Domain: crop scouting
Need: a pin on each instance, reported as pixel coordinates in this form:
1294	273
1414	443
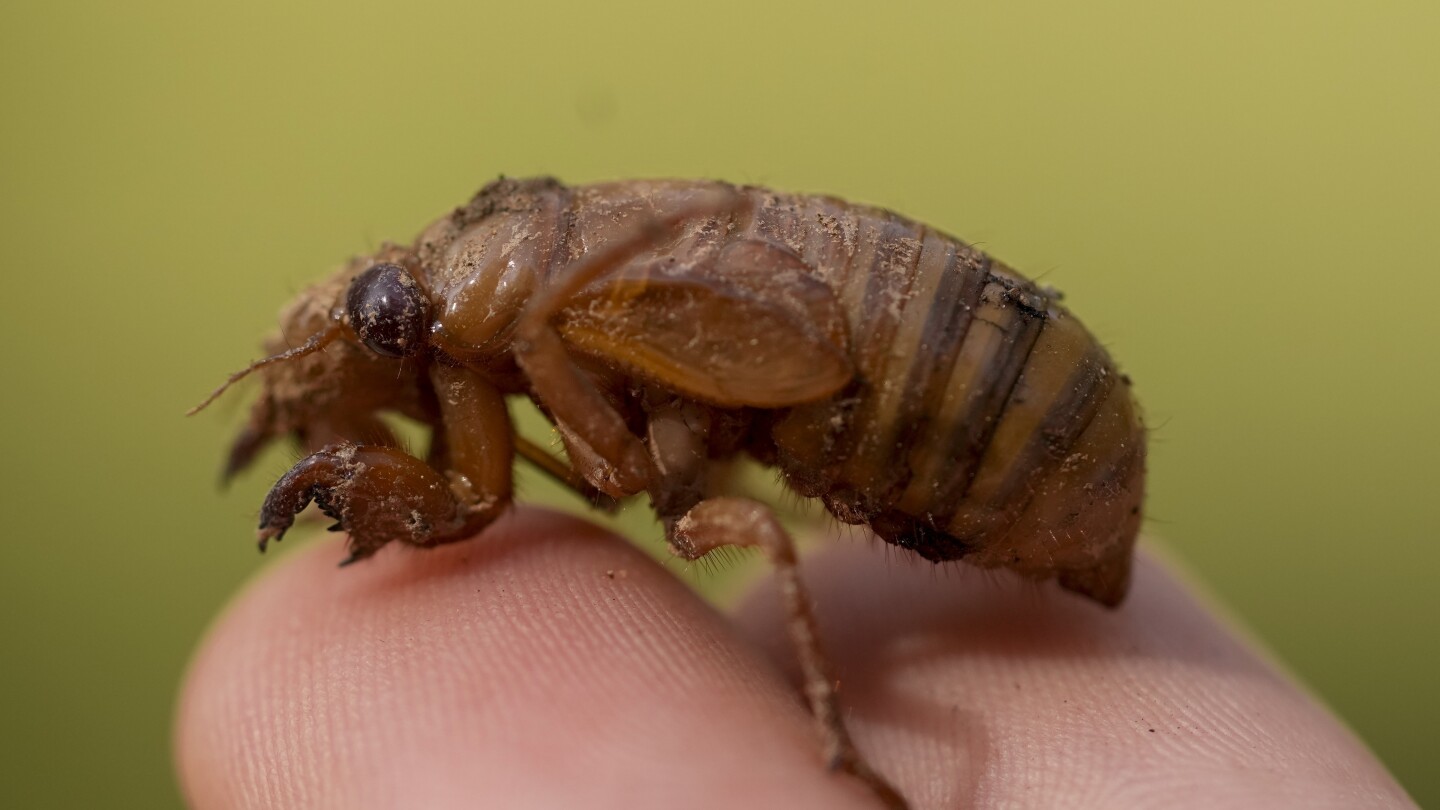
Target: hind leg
740	522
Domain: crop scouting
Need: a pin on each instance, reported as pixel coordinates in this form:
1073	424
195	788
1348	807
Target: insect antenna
316	342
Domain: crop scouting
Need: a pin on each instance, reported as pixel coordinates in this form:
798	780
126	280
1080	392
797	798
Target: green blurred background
1240	197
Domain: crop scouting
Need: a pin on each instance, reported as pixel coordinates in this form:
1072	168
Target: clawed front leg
377	494
380	494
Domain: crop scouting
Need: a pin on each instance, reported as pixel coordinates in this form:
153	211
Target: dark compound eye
388	310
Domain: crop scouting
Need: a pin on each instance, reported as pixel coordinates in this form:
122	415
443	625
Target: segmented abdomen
985	421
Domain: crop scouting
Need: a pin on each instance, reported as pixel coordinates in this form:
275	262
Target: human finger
543	664
975	690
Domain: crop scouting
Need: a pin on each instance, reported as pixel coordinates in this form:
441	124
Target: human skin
549	664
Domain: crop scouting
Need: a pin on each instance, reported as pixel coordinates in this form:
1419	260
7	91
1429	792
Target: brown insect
909	381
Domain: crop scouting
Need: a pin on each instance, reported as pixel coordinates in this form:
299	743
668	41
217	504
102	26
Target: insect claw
353	558
268	533
605	503
335	527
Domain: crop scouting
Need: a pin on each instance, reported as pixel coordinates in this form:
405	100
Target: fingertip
254	725
545	663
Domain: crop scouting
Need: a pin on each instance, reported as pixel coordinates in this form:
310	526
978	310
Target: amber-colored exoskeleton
909	381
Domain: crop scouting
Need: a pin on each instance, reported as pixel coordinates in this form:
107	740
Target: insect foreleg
377	494
381	493
740	522
480	443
